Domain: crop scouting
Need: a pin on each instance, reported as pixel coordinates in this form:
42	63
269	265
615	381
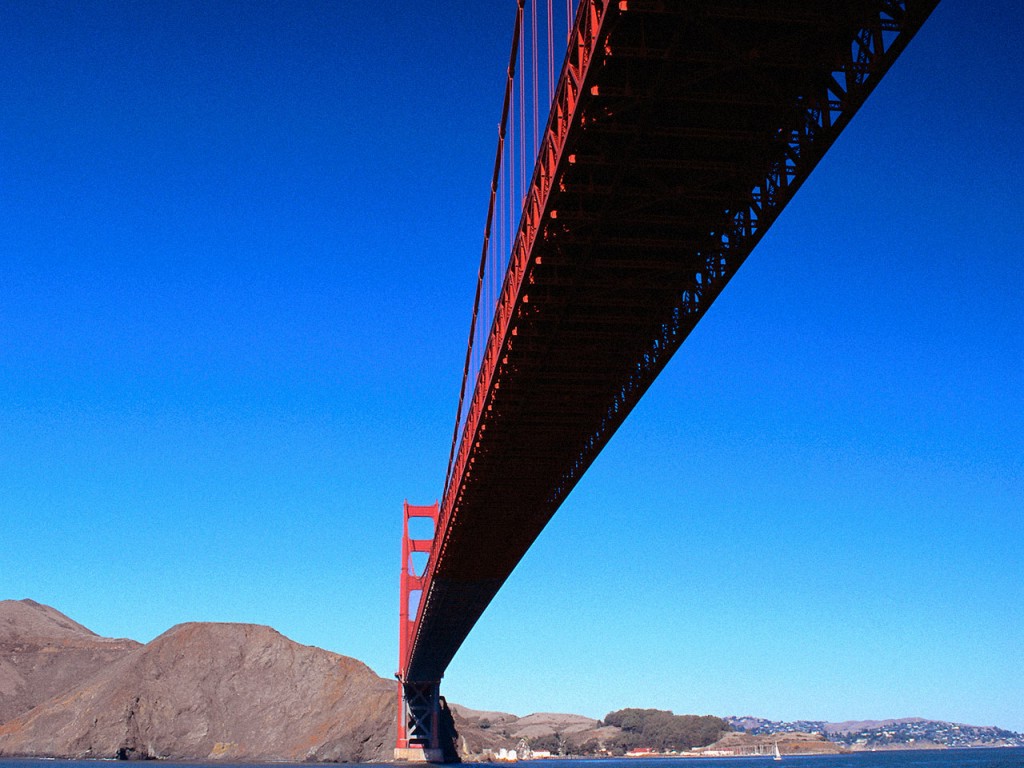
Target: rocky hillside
199	691
242	692
43	653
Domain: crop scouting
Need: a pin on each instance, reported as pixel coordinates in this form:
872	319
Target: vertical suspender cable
522	114
551	51
510	173
507	195
534	59
487	236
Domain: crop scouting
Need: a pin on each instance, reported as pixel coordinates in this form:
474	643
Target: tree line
657	729
664	731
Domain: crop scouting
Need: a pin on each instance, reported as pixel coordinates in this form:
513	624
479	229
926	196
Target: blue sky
238	249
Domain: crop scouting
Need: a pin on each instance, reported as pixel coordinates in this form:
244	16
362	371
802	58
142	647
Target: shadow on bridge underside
678	133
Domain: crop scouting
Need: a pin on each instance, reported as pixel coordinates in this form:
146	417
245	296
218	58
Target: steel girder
677	135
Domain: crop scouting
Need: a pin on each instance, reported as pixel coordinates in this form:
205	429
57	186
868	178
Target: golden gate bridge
629	185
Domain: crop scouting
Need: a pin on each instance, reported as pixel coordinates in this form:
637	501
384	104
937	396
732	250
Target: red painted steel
677	134
410	583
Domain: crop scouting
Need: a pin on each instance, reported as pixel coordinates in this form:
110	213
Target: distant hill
482	731
795	743
912	732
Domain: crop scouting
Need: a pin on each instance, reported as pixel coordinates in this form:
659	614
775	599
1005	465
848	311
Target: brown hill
794	743
230	691
481	731
44	653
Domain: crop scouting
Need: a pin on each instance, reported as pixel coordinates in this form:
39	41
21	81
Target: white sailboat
778	755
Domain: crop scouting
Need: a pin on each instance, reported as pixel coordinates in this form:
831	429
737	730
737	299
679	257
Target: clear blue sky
238	246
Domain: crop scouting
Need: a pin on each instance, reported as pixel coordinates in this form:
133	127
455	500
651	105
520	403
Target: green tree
550	742
663	730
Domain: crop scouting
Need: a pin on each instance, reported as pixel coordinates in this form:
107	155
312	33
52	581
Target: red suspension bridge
629	186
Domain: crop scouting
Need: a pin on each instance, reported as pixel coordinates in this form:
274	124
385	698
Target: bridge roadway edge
651	272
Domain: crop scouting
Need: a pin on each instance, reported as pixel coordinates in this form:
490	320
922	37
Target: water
939	758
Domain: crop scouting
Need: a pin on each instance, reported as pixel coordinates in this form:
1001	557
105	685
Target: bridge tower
425	726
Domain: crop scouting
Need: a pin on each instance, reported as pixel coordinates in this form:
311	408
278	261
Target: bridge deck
692	127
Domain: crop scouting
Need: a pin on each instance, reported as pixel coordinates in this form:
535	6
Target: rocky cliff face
44	653
208	691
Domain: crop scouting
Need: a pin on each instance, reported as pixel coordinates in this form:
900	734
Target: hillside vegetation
664	731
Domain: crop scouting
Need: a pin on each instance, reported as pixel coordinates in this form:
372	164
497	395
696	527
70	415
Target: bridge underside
693	125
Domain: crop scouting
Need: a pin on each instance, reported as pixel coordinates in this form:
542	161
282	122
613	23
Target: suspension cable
536	71
551	51
487	236
522	111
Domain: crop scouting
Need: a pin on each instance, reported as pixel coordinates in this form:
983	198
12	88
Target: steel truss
677	134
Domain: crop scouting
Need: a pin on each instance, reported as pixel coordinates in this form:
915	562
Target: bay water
940	758
1010	757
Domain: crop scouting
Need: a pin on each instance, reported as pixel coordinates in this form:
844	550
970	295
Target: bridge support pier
419	723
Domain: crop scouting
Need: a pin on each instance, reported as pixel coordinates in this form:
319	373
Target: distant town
886	734
504	737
